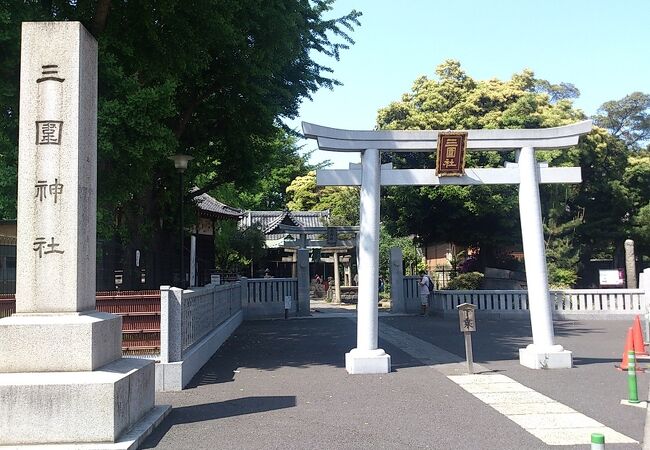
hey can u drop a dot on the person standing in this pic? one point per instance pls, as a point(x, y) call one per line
point(426, 286)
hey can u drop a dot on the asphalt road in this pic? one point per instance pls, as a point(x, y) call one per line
point(282, 384)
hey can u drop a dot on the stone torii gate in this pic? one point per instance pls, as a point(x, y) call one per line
point(332, 244)
point(526, 172)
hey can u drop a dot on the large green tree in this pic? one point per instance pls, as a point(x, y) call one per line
point(581, 220)
point(627, 118)
point(637, 180)
point(268, 190)
point(210, 78)
point(342, 202)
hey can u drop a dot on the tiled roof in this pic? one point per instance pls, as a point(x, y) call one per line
point(268, 221)
point(210, 207)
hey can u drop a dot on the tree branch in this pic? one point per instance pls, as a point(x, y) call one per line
point(185, 116)
point(207, 187)
point(101, 16)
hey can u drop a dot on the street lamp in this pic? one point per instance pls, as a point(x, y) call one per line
point(180, 163)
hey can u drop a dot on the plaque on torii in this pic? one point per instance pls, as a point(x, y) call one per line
point(526, 172)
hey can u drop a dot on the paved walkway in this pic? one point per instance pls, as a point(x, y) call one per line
point(282, 384)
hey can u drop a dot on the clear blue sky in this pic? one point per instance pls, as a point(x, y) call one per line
point(602, 47)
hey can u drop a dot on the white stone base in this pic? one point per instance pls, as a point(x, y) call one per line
point(367, 361)
point(131, 440)
point(59, 342)
point(75, 407)
point(554, 357)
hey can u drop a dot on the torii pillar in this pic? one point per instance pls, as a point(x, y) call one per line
point(367, 357)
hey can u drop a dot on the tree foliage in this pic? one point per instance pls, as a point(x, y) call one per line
point(268, 190)
point(342, 202)
point(237, 249)
point(411, 255)
point(627, 118)
point(481, 216)
point(581, 221)
point(207, 78)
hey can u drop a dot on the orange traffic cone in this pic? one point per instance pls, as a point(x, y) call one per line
point(637, 336)
point(629, 345)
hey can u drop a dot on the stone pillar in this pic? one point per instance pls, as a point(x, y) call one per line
point(302, 257)
point(630, 264)
point(337, 279)
point(62, 376)
point(243, 292)
point(366, 357)
point(542, 353)
point(170, 321)
point(397, 302)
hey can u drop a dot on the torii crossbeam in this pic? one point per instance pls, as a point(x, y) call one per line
point(527, 173)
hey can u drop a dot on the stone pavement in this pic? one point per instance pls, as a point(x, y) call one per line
point(282, 384)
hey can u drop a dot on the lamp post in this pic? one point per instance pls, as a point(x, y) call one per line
point(180, 163)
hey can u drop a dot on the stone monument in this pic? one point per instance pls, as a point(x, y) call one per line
point(630, 264)
point(62, 375)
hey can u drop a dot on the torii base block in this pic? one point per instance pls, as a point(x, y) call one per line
point(554, 357)
point(367, 361)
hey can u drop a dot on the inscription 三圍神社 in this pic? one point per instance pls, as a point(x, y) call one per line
point(42, 188)
point(48, 132)
point(45, 248)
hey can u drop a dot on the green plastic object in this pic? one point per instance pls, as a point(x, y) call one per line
point(597, 438)
point(633, 396)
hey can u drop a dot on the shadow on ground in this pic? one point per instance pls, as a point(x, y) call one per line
point(271, 344)
point(218, 410)
point(498, 339)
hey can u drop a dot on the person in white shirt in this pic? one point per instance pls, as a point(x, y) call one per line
point(426, 286)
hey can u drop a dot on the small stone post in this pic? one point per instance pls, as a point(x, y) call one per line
point(337, 279)
point(243, 293)
point(630, 264)
point(170, 322)
point(397, 301)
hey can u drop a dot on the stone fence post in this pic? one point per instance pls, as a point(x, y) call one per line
point(243, 290)
point(170, 324)
point(397, 303)
point(303, 282)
